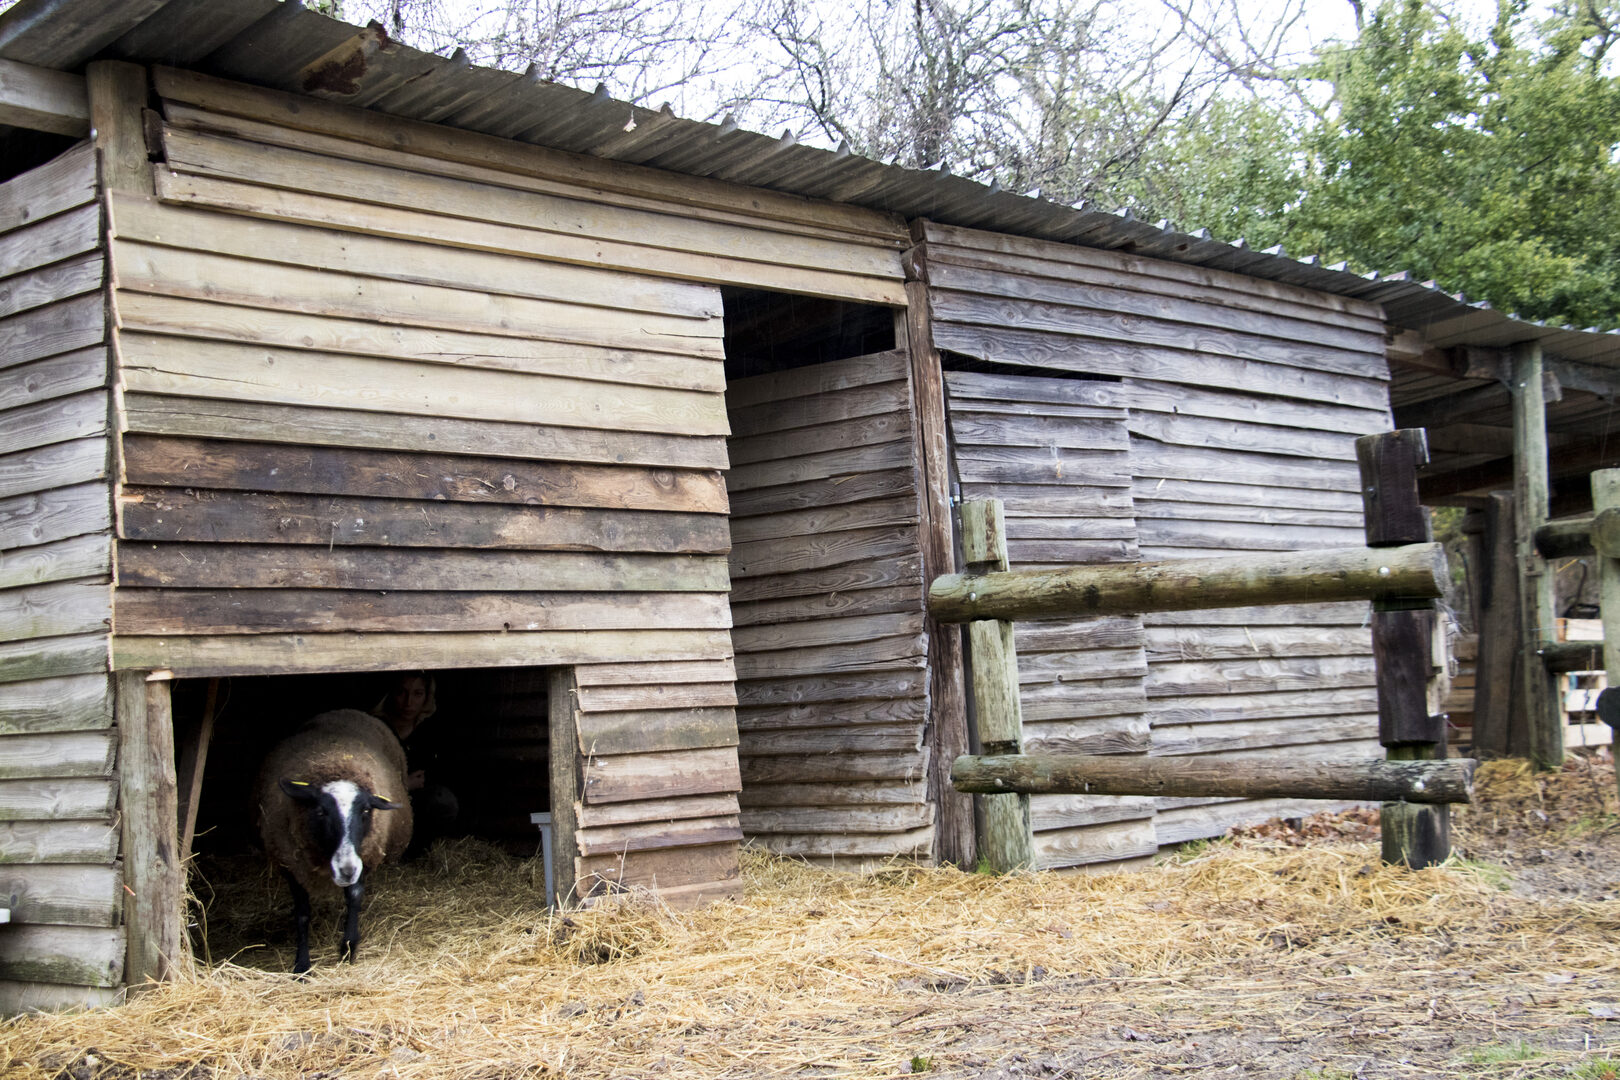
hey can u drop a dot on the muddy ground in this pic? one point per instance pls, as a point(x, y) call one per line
point(1283, 953)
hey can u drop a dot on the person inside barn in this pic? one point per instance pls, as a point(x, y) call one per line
point(410, 701)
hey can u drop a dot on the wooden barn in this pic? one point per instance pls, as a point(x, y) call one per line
point(322, 358)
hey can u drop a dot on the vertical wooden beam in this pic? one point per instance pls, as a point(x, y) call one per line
point(1606, 496)
point(1413, 834)
point(117, 93)
point(947, 696)
point(1498, 696)
point(149, 807)
point(1544, 715)
point(563, 752)
point(1008, 842)
point(193, 761)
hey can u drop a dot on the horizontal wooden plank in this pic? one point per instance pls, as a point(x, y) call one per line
point(838, 820)
point(359, 255)
point(821, 551)
point(72, 955)
point(63, 895)
point(1247, 676)
point(650, 811)
point(828, 631)
point(1242, 502)
point(435, 143)
point(1229, 708)
point(1080, 665)
point(1173, 398)
point(877, 573)
point(61, 560)
point(243, 282)
point(1345, 613)
point(57, 754)
point(69, 703)
point(910, 709)
point(26, 996)
point(883, 654)
point(1072, 500)
point(835, 490)
point(835, 768)
point(56, 328)
point(887, 684)
point(274, 654)
point(1073, 261)
point(968, 388)
point(59, 465)
point(687, 832)
point(631, 777)
point(294, 425)
point(769, 416)
point(53, 842)
point(53, 239)
point(700, 695)
point(178, 316)
point(1200, 431)
point(820, 381)
point(1050, 812)
point(205, 566)
point(1047, 635)
point(659, 870)
point(46, 285)
point(1042, 465)
point(642, 234)
point(1153, 510)
point(1128, 358)
point(848, 793)
point(1172, 643)
point(988, 429)
point(878, 601)
point(1014, 292)
point(1204, 738)
point(53, 377)
point(66, 607)
point(655, 676)
point(188, 367)
point(263, 611)
point(66, 799)
point(821, 466)
point(1154, 459)
point(158, 514)
point(66, 181)
point(818, 438)
point(914, 844)
point(54, 421)
point(1214, 535)
point(1180, 825)
point(48, 658)
point(857, 739)
point(871, 513)
point(655, 730)
point(1090, 844)
point(1058, 553)
point(1094, 735)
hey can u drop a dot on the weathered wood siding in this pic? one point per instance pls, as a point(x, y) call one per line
point(827, 601)
point(395, 395)
point(1243, 399)
point(1056, 452)
point(59, 870)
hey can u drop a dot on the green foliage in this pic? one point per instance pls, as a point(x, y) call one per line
point(919, 1065)
point(1513, 1051)
point(1598, 1069)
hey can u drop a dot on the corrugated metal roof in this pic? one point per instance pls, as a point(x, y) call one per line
point(282, 45)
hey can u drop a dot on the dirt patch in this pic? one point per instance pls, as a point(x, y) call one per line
point(1286, 953)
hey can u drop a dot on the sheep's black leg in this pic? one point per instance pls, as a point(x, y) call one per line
point(300, 898)
point(349, 947)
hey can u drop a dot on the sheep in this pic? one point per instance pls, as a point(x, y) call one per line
point(315, 794)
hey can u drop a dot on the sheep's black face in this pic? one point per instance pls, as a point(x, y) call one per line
point(339, 817)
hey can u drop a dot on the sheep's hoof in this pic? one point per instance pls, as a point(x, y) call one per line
point(348, 951)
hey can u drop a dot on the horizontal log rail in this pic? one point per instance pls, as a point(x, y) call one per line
point(1447, 781)
point(1407, 572)
point(1598, 534)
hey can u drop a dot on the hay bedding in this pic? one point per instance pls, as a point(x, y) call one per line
point(1262, 956)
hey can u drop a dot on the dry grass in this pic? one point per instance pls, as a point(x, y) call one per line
point(1278, 957)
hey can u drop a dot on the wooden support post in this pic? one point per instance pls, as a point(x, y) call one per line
point(153, 904)
point(1007, 842)
point(193, 760)
point(1498, 695)
point(1204, 777)
point(1414, 835)
point(947, 698)
point(565, 787)
point(1543, 711)
point(117, 94)
point(1605, 499)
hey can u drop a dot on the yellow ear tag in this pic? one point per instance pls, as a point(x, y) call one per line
point(299, 783)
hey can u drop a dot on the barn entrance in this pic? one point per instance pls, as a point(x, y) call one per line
point(826, 580)
point(484, 748)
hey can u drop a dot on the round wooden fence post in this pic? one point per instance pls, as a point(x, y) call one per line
point(1606, 542)
point(1413, 834)
point(1007, 842)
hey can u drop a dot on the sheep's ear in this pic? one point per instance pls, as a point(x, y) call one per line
point(380, 803)
point(298, 790)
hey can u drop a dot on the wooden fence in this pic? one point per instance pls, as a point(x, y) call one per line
point(1401, 571)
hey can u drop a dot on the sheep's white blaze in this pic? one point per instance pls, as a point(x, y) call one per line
point(346, 865)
